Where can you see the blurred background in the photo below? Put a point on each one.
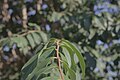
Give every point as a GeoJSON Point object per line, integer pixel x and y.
{"type": "Point", "coordinates": [93, 25]}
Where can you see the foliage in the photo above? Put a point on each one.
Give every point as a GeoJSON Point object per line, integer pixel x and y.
{"type": "Point", "coordinates": [57, 60]}
{"type": "Point", "coordinates": [25, 41]}
{"type": "Point", "coordinates": [93, 26]}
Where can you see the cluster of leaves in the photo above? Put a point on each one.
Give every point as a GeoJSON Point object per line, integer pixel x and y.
{"type": "Point", "coordinates": [25, 42]}
{"type": "Point", "coordinates": [47, 63]}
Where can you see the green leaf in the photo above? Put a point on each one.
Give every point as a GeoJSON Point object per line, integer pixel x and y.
{"type": "Point", "coordinates": [20, 41]}
{"type": "Point", "coordinates": [71, 53]}
{"type": "Point", "coordinates": [46, 52]}
{"type": "Point", "coordinates": [92, 33]}
{"type": "Point", "coordinates": [76, 59]}
{"type": "Point", "coordinates": [31, 41]}
{"type": "Point", "coordinates": [38, 48]}
{"type": "Point", "coordinates": [99, 22]}
{"type": "Point", "coordinates": [38, 69]}
{"type": "Point", "coordinates": [41, 62]}
{"type": "Point", "coordinates": [56, 16]}
{"type": "Point", "coordinates": [42, 50]}
{"type": "Point", "coordinates": [78, 77]}
{"type": "Point", "coordinates": [43, 36]}
{"type": "Point", "coordinates": [36, 38]}
{"type": "Point", "coordinates": [34, 25]}
{"type": "Point", "coordinates": [62, 57]}
{"type": "Point", "coordinates": [44, 71]}
{"type": "Point", "coordinates": [79, 55]}
{"type": "Point", "coordinates": [70, 71]}
{"type": "Point", "coordinates": [66, 53]}
{"type": "Point", "coordinates": [94, 52]}
{"type": "Point", "coordinates": [29, 66]}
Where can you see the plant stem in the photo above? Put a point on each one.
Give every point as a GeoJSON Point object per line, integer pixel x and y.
{"type": "Point", "coordinates": [58, 58]}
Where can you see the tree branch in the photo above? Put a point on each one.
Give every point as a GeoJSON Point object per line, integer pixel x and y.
{"type": "Point", "coordinates": [58, 58]}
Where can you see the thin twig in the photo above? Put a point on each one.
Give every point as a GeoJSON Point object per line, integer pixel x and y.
{"type": "Point", "coordinates": [30, 31]}
{"type": "Point", "coordinates": [58, 58]}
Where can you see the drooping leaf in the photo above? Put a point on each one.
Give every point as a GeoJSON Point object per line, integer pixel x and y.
{"type": "Point", "coordinates": [45, 70]}
{"type": "Point", "coordinates": [71, 53]}
{"type": "Point", "coordinates": [41, 62]}
{"type": "Point", "coordinates": [70, 71]}
{"type": "Point", "coordinates": [79, 55]}
{"type": "Point", "coordinates": [38, 69]}
{"type": "Point", "coordinates": [67, 56]}
{"type": "Point", "coordinates": [28, 67]}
